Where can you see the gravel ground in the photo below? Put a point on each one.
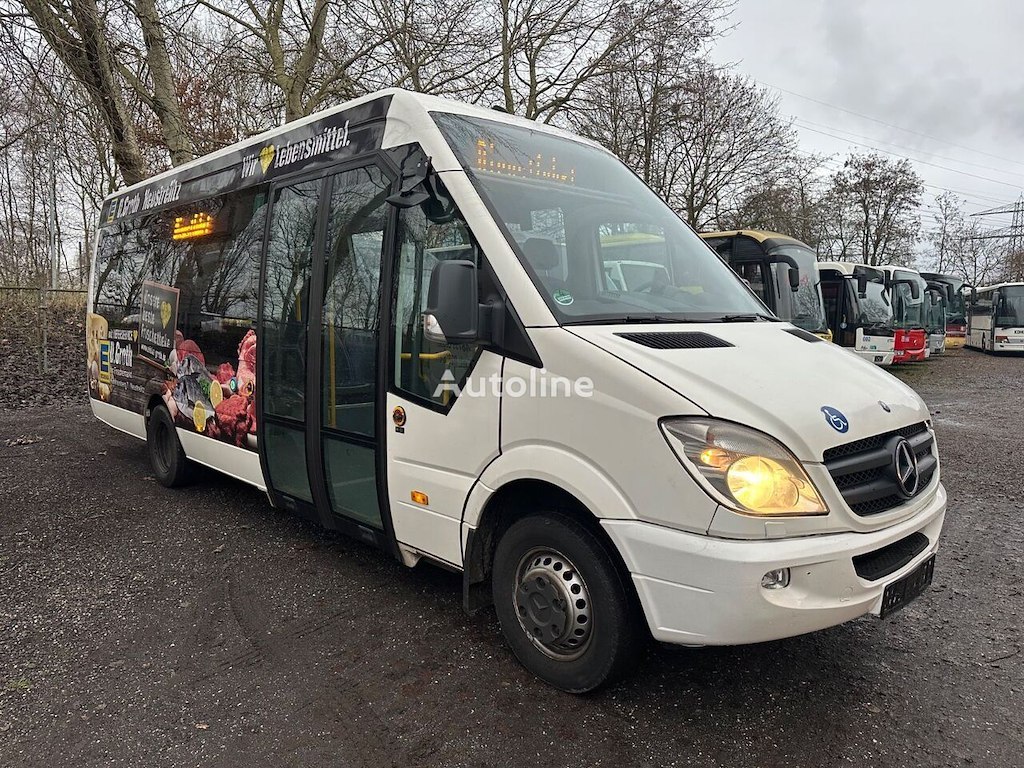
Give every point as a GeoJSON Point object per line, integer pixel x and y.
{"type": "Point", "coordinates": [145, 626]}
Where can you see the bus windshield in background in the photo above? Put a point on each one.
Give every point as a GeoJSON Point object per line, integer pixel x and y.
{"type": "Point", "coordinates": [873, 308]}
{"type": "Point", "coordinates": [956, 306]}
{"type": "Point", "coordinates": [1010, 308]}
{"type": "Point", "coordinates": [808, 312]}
{"type": "Point", "coordinates": [598, 243]}
{"type": "Point", "coordinates": [907, 311]}
{"type": "Point", "coordinates": [935, 313]}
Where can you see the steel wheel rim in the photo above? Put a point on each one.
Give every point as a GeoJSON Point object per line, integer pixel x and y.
{"type": "Point", "coordinates": [553, 604]}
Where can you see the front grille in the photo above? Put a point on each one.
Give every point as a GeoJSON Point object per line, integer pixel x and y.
{"type": "Point", "coordinates": [863, 470]}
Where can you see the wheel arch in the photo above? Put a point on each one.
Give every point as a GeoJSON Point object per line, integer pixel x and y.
{"type": "Point", "coordinates": [509, 503]}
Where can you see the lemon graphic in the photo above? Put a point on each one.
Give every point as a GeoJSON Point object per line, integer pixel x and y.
{"type": "Point", "coordinates": [216, 393]}
{"type": "Point", "coordinates": [199, 417]}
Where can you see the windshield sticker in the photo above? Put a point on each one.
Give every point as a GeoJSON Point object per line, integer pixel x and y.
{"type": "Point", "coordinates": [563, 297]}
{"type": "Point", "coordinates": [835, 418]}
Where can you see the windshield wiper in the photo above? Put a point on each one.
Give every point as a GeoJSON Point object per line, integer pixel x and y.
{"type": "Point", "coordinates": [629, 319]}
{"type": "Point", "coordinates": [755, 317]}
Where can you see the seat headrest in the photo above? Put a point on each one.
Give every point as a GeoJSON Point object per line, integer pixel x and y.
{"type": "Point", "coordinates": [541, 253]}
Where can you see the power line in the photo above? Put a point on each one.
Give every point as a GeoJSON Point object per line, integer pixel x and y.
{"type": "Point", "coordinates": [922, 162]}
{"type": "Point", "coordinates": [901, 146]}
{"type": "Point", "coordinates": [890, 125]}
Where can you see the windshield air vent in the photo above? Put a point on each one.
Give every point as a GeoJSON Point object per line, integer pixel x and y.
{"type": "Point", "coordinates": [676, 340]}
{"type": "Point", "coordinates": [800, 333]}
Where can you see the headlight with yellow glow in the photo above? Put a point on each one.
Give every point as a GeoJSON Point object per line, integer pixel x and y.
{"type": "Point", "coordinates": [743, 469]}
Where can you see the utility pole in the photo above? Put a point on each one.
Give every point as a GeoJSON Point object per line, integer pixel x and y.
{"type": "Point", "coordinates": [52, 218]}
{"type": "Point", "coordinates": [1013, 269]}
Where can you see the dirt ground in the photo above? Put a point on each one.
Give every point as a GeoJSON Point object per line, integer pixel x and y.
{"type": "Point", "coordinates": [148, 627]}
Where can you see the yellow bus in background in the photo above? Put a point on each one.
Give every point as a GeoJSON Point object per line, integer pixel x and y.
{"type": "Point", "coordinates": [781, 270]}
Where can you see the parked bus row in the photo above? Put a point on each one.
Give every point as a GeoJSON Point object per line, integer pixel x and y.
{"type": "Point", "coordinates": [886, 314]}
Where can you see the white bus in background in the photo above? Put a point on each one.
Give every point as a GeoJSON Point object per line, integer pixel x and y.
{"type": "Point", "coordinates": [995, 319]}
{"type": "Point", "coordinates": [858, 310]}
{"type": "Point", "coordinates": [361, 312]}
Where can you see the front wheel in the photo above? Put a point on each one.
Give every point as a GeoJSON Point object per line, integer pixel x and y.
{"type": "Point", "coordinates": [563, 605]}
{"type": "Point", "coordinates": [170, 466]}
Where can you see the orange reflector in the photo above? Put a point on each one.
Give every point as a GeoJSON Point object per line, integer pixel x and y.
{"type": "Point", "coordinates": [419, 497]}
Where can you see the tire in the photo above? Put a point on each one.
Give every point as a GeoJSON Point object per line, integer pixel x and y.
{"type": "Point", "coordinates": [170, 466]}
{"type": "Point", "coordinates": [563, 605]}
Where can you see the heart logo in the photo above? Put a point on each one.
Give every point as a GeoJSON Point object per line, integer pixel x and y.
{"type": "Point", "coordinates": [165, 312]}
{"type": "Point", "coordinates": [266, 157]}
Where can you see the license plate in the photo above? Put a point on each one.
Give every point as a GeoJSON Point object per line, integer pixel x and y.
{"type": "Point", "coordinates": [901, 592]}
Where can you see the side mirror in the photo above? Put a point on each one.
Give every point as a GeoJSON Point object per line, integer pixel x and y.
{"type": "Point", "coordinates": [974, 295]}
{"type": "Point", "coordinates": [794, 279]}
{"type": "Point", "coordinates": [915, 291]}
{"type": "Point", "coordinates": [452, 314]}
{"type": "Point", "coordinates": [862, 285]}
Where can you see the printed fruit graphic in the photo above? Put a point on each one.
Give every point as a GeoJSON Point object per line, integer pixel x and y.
{"type": "Point", "coordinates": [199, 416]}
{"type": "Point", "coordinates": [216, 393]}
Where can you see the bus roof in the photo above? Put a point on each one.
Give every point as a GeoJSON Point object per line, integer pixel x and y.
{"type": "Point", "coordinates": [397, 117]}
{"type": "Point", "coordinates": [994, 286]}
{"type": "Point", "coordinates": [852, 267]}
{"type": "Point", "coordinates": [765, 237]}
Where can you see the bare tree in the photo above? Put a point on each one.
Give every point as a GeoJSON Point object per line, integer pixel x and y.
{"type": "Point", "coordinates": [947, 230]}
{"type": "Point", "coordinates": [78, 35]}
{"type": "Point", "coordinates": [309, 53]}
{"type": "Point", "coordinates": [790, 201]}
{"type": "Point", "coordinates": [550, 49]}
{"type": "Point", "coordinates": [727, 142]}
{"type": "Point", "coordinates": [874, 203]}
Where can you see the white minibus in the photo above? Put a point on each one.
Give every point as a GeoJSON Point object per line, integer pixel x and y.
{"type": "Point", "coordinates": [396, 318]}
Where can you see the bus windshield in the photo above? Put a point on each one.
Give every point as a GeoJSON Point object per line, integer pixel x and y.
{"type": "Point", "coordinates": [956, 309]}
{"type": "Point", "coordinates": [1010, 309]}
{"type": "Point", "coordinates": [807, 310]}
{"type": "Point", "coordinates": [935, 312]}
{"type": "Point", "coordinates": [873, 308]}
{"type": "Point", "coordinates": [597, 242]}
{"type": "Point", "coordinates": [908, 312]}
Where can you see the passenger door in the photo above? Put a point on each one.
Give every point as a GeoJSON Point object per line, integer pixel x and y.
{"type": "Point", "coordinates": [320, 340]}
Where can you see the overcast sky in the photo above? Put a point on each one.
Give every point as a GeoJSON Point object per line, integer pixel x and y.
{"type": "Point", "coordinates": [950, 72]}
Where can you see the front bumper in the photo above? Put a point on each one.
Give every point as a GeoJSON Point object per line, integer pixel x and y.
{"type": "Point", "coordinates": [699, 590]}
{"type": "Point", "coordinates": [876, 356]}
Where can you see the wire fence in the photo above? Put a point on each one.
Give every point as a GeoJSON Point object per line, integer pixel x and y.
{"type": "Point", "coordinates": [19, 303]}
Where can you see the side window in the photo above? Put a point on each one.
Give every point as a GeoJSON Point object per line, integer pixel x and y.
{"type": "Point", "coordinates": [209, 251]}
{"type": "Point", "coordinates": [753, 273]}
{"type": "Point", "coordinates": [422, 368]}
{"type": "Point", "coordinates": [122, 265]}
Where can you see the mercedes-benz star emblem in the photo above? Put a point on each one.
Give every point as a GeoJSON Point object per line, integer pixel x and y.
{"type": "Point", "coordinates": [905, 466]}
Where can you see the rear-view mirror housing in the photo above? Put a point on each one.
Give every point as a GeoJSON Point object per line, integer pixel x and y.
{"type": "Point", "coordinates": [452, 314]}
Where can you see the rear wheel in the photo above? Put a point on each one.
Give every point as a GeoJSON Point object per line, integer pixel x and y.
{"type": "Point", "coordinates": [563, 605]}
{"type": "Point", "coordinates": [170, 466]}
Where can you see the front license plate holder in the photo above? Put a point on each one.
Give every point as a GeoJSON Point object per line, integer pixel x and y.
{"type": "Point", "coordinates": [902, 591]}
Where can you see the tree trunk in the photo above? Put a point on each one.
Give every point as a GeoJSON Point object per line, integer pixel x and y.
{"type": "Point", "coordinates": [165, 97]}
{"type": "Point", "coordinates": [80, 41]}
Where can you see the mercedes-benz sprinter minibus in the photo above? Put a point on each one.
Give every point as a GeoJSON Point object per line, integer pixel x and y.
{"type": "Point", "coordinates": [397, 318]}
